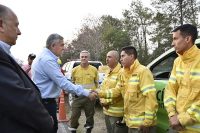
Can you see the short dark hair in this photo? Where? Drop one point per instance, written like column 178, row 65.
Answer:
column 31, row 56
column 130, row 50
column 188, row 30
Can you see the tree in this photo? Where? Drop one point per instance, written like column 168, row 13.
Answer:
column 169, row 14
column 179, row 11
column 88, row 38
column 137, row 21
column 113, row 36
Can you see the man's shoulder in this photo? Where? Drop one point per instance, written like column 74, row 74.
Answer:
column 92, row 68
column 3, row 54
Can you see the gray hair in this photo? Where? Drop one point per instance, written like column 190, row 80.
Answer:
column 85, row 51
column 115, row 54
column 4, row 10
column 52, row 39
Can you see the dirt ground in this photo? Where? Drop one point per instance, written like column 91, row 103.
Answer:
column 99, row 122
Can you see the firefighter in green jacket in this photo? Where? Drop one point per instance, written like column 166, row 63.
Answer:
column 113, row 108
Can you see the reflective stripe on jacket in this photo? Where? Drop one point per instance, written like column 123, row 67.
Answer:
column 87, row 77
column 116, row 105
column 136, row 86
column 182, row 94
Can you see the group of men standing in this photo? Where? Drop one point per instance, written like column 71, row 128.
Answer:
column 127, row 94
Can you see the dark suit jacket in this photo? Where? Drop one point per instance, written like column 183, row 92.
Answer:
column 21, row 109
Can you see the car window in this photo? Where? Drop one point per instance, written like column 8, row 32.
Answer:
column 76, row 64
column 162, row 69
column 96, row 65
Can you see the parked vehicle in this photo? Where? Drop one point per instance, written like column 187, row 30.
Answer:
column 161, row 68
column 68, row 66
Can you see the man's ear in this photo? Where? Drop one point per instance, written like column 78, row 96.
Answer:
column 52, row 46
column 1, row 25
column 132, row 55
column 188, row 39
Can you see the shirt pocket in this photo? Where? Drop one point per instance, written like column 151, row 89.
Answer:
column 132, row 94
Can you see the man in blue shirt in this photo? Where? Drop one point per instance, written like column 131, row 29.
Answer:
column 47, row 76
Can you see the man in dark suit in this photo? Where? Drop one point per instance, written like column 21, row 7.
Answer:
column 21, row 110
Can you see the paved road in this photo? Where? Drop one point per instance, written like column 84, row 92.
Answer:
column 62, row 127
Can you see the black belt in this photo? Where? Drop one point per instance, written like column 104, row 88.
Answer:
column 48, row 100
column 76, row 96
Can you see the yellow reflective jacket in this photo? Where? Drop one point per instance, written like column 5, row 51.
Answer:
column 182, row 94
column 116, row 105
column 87, row 77
column 136, row 86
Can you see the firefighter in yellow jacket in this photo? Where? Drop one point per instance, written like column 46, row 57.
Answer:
column 136, row 86
column 113, row 108
column 182, row 94
column 87, row 76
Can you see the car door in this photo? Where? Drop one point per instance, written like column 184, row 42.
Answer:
column 161, row 72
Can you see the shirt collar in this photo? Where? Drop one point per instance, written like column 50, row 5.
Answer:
column 5, row 47
column 51, row 53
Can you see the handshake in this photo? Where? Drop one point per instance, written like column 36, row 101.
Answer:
column 93, row 95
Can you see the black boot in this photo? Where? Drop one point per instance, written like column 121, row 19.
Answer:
column 89, row 130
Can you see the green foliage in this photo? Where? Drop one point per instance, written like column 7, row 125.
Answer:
column 113, row 35
column 137, row 21
column 149, row 30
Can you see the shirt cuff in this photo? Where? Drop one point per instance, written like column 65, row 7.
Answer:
column 171, row 110
column 101, row 94
column 185, row 119
column 86, row 93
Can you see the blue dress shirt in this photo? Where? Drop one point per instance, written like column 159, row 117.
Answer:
column 46, row 74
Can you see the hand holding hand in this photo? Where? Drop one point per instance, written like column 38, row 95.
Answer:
column 175, row 124
column 92, row 96
column 102, row 102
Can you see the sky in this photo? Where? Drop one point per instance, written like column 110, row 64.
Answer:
column 40, row 18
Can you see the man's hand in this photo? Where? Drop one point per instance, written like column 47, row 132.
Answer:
column 144, row 129
column 92, row 96
column 174, row 123
column 102, row 102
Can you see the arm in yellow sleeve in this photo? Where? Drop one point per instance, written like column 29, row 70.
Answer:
column 111, row 93
column 72, row 75
column 191, row 116
column 96, row 80
column 171, row 92
column 148, row 90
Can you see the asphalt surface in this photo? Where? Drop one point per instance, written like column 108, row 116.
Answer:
column 63, row 127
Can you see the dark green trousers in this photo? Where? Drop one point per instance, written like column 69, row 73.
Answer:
column 136, row 130
column 110, row 122
column 88, row 106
